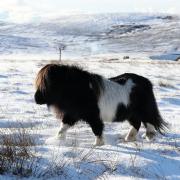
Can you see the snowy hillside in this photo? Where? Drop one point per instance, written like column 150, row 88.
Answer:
column 75, row 158
column 85, row 35
column 107, row 44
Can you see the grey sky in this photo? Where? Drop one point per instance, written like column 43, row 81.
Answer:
column 25, row 10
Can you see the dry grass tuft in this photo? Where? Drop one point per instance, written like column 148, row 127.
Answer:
column 165, row 84
column 17, row 152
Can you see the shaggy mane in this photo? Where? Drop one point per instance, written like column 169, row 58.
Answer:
column 42, row 75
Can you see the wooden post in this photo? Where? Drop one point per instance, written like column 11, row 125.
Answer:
column 59, row 53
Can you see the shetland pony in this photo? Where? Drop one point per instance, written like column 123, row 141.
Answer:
column 76, row 94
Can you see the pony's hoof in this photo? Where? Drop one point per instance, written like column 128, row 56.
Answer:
column 149, row 136
column 130, row 139
column 99, row 142
column 60, row 136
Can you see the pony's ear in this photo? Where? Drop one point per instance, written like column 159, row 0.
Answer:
column 39, row 97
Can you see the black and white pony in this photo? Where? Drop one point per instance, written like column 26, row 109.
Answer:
column 77, row 95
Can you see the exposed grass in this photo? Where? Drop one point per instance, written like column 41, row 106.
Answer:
column 165, row 84
column 17, row 152
column 80, row 163
column 19, row 157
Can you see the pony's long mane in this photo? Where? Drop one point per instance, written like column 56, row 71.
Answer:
column 42, row 76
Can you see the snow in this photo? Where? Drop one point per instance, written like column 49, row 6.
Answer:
column 99, row 43
column 116, row 159
column 86, row 35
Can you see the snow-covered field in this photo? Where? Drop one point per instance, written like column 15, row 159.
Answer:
column 91, row 34
column 116, row 159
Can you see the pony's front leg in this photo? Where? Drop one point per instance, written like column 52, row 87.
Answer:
column 97, row 128
column 62, row 132
column 66, row 123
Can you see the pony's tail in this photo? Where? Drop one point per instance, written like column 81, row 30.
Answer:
column 161, row 126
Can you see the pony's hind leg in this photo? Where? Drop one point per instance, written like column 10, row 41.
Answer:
column 131, row 136
column 150, row 131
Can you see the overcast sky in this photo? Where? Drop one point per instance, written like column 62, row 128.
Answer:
column 25, row 10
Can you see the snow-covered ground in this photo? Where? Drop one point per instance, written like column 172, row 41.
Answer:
column 91, row 34
column 116, row 159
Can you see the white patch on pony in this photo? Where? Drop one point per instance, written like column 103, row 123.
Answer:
column 99, row 141
column 131, row 136
column 112, row 96
column 62, row 132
